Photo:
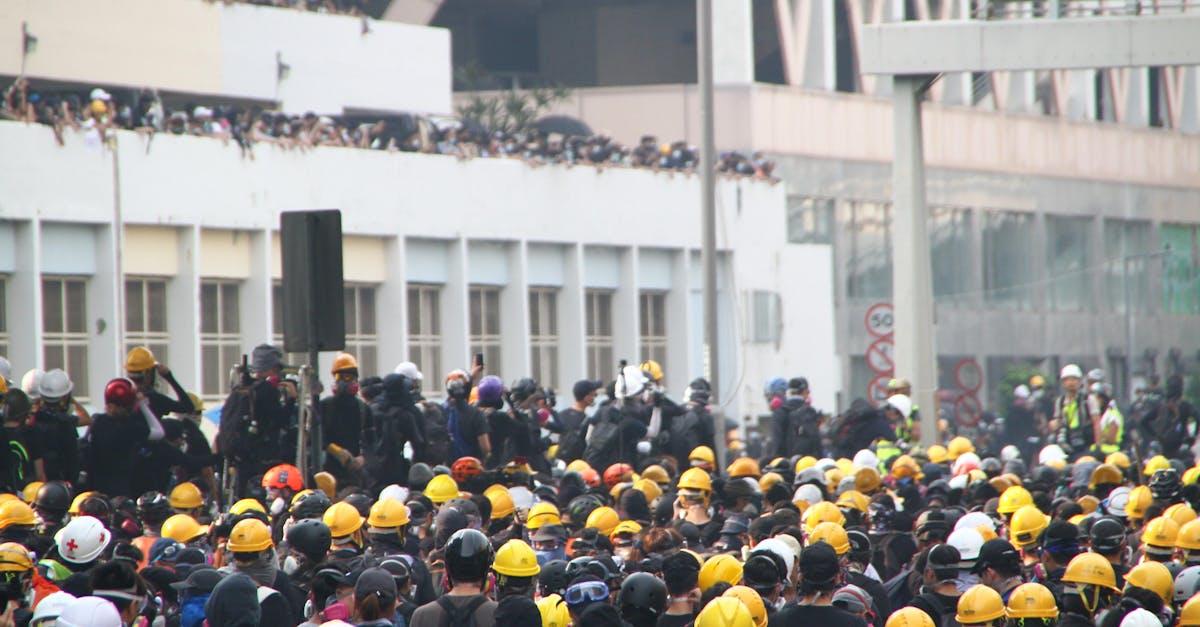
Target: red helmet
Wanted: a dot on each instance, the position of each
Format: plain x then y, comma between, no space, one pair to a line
464,468
591,477
283,476
120,392
617,473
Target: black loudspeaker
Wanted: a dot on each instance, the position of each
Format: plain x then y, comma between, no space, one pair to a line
314,314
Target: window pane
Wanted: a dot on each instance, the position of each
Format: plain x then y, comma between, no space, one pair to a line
134,307
414,311
208,309
1007,270
535,315
160,352
55,356
156,301
367,359
433,304
492,312
211,366
476,312
366,310
76,307
4,309
350,310
604,323
951,252
551,321
1180,269
1067,263
869,266
77,368
229,308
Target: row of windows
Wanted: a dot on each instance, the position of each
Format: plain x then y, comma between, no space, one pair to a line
65,339
1000,266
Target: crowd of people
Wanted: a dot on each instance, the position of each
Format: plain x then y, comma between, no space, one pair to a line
98,112
497,506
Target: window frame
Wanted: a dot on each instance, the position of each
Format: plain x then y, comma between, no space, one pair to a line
652,336
223,340
363,344
157,341
67,339
482,339
425,345
543,335
599,344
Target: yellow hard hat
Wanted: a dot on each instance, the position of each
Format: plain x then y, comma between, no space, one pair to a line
695,479
1027,523
626,526
1091,569
15,558
344,361
909,617
1188,537
1181,513
604,519
140,359
722,567
1000,483
649,488
1191,475
79,498
657,474
753,602
554,611
441,488
905,467
186,496
542,514
29,492
301,494
822,512
16,512
653,370
388,514
846,465
516,559
197,403
725,612
768,480
246,505
1106,474
832,534
743,467
853,499
1118,459
978,605
1014,499
502,502
703,454
833,478
958,446
1089,503
248,536
326,482
342,519
867,480
804,463
1137,501
1031,600
1037,381
1086,459
1152,576
1190,614
1155,464
938,454
1160,533
182,528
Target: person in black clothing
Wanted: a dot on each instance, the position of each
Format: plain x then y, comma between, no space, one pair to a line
681,572
571,425
116,582
393,422
695,427
143,370
198,461
521,426
55,424
795,423
468,428
618,426
256,418
939,593
859,559
115,435
999,567
343,416
22,450
822,575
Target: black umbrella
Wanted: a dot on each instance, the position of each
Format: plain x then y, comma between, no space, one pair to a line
564,125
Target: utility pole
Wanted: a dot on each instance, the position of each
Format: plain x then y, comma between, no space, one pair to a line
708,255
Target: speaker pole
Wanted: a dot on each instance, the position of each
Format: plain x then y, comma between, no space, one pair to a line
314,428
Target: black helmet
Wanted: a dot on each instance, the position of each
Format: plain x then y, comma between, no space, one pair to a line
553,578
1165,484
53,498
419,475
860,546
642,594
587,565
581,507
311,505
1107,535
361,502
310,537
16,404
991,466
522,389
469,555
153,507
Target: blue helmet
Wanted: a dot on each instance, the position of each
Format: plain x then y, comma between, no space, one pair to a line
775,386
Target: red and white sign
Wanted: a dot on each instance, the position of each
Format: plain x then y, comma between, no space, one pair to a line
967,411
881,356
880,319
968,375
877,389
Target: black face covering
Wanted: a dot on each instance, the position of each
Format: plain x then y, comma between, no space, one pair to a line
1073,603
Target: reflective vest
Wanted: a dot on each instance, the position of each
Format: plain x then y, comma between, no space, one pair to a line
1113,411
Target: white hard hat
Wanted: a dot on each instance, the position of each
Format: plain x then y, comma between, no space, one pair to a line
522,498
959,482
90,612
824,464
82,540
55,384
1095,374
409,369
1021,391
394,492
50,607
808,493
1187,583
32,383
5,369
901,403
1071,370
1051,453
968,542
777,547
866,459
973,520
1140,618
1116,501
1009,453
964,464
635,380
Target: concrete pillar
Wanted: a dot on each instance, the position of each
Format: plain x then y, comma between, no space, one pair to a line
514,314
25,298
183,307
1137,98
733,42
455,305
392,307
626,331
572,351
105,319
679,332
256,298
912,276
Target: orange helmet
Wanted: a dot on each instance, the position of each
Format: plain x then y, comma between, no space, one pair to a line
617,473
464,468
591,477
284,476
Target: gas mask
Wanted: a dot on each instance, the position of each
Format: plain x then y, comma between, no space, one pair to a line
292,564
278,506
545,556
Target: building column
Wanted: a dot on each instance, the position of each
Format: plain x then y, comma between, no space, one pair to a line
626,327
392,308
25,298
572,340
679,332
257,308
106,320
733,42
456,322
514,313
183,305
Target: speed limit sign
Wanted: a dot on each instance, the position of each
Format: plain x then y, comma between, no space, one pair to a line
880,319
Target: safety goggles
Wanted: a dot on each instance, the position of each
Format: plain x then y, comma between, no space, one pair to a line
586,592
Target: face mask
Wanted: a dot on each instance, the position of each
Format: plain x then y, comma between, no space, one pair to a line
347,387
548,556
277,506
291,564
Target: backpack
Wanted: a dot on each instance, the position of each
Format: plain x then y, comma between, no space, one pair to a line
685,433
805,421
603,441
571,443
460,616
233,437
945,616
1166,426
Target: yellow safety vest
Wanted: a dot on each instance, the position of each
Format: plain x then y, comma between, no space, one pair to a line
1113,448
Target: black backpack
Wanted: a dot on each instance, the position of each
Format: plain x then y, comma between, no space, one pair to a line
805,421
233,433
460,616
602,443
571,442
944,616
